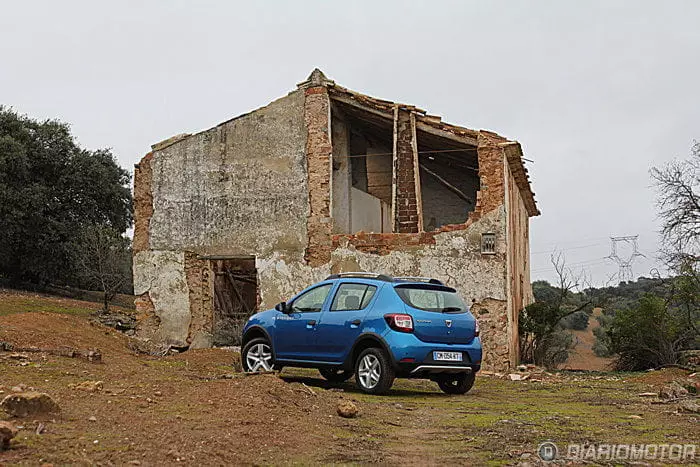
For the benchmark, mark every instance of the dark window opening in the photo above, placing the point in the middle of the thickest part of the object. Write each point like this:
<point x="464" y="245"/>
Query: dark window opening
<point x="449" y="174"/>
<point x="235" y="298"/>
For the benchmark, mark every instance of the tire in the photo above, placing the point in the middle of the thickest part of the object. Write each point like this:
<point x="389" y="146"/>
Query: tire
<point x="374" y="372"/>
<point x="456" y="384"/>
<point x="335" y="375"/>
<point x="257" y="356"/>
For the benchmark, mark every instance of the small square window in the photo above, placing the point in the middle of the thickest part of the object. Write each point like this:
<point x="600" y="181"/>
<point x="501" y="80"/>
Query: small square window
<point x="488" y="243"/>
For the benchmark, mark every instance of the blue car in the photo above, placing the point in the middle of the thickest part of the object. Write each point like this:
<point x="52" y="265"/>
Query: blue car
<point x="374" y="326"/>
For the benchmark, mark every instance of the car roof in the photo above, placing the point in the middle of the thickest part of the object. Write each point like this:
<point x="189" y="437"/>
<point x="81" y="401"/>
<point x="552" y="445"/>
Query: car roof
<point x="371" y="276"/>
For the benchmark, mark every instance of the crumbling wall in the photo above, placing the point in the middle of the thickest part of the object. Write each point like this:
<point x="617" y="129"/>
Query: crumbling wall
<point x="452" y="255"/>
<point x="262" y="185"/>
<point x="237" y="189"/>
<point x="200" y="286"/>
<point x="143" y="202"/>
<point x="161" y="276"/>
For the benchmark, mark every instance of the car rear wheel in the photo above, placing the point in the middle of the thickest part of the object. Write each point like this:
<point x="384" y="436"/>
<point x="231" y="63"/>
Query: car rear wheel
<point x="460" y="383"/>
<point x="373" y="371"/>
<point x="257" y="357"/>
<point x="335" y="375"/>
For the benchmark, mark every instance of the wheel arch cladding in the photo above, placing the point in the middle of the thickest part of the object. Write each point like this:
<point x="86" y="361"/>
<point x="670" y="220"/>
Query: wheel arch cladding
<point x="366" y="341"/>
<point x="253" y="333"/>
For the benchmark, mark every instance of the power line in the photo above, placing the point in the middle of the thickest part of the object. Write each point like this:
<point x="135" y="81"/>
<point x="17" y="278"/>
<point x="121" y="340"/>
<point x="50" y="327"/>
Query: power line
<point x="590" y="262"/>
<point x="565" y="249"/>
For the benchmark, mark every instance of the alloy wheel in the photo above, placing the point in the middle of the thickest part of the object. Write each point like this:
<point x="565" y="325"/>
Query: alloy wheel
<point x="369" y="371"/>
<point x="259" y="358"/>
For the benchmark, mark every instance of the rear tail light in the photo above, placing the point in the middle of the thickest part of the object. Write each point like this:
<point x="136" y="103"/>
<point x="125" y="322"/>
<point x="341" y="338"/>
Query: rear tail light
<point x="476" y="328"/>
<point x="399" y="322"/>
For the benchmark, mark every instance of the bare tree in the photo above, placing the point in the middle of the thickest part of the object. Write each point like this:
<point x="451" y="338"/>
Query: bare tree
<point x="678" y="186"/>
<point x="543" y="340"/>
<point x="104" y="258"/>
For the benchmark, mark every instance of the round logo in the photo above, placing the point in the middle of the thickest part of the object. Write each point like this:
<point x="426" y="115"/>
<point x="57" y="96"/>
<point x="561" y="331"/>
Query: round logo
<point x="547" y="451"/>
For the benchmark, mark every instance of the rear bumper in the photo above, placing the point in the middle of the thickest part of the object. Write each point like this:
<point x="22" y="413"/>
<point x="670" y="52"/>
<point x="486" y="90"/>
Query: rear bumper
<point x="413" y="358"/>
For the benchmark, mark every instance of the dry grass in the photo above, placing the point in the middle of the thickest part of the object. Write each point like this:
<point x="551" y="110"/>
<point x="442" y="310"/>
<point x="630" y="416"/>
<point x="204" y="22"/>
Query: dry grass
<point x="195" y="408"/>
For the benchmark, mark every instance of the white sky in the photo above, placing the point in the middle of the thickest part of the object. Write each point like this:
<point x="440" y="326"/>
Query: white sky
<point x="596" y="92"/>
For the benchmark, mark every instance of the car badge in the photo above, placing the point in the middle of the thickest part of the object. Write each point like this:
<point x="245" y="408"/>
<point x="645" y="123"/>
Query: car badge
<point x="448" y="322"/>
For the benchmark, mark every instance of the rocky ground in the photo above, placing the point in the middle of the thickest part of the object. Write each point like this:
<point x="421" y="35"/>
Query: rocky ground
<point x="196" y="408"/>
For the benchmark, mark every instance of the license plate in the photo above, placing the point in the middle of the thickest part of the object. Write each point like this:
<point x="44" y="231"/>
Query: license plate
<point x="448" y="356"/>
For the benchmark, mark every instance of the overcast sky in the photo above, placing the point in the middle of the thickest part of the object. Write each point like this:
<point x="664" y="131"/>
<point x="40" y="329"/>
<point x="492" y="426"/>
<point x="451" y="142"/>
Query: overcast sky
<point x="596" y="92"/>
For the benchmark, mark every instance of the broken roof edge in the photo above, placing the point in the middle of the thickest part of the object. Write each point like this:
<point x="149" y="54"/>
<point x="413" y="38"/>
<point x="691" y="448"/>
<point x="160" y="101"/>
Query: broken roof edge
<point x="514" y="156"/>
<point x="183" y="136"/>
<point x="385" y="107"/>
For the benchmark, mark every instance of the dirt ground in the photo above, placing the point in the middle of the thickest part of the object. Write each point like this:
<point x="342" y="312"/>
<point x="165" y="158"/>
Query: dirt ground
<point x="195" y="408"/>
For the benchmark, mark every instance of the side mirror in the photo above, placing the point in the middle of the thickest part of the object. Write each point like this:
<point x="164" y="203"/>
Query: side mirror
<point x="281" y="307"/>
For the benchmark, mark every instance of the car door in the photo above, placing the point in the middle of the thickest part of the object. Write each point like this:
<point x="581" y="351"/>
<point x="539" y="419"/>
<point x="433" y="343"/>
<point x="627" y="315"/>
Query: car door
<point x="341" y="322"/>
<point x="295" y="332"/>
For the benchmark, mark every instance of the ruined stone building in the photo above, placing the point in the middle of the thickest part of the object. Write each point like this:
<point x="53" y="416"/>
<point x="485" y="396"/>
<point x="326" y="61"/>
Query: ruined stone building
<point x="241" y="216"/>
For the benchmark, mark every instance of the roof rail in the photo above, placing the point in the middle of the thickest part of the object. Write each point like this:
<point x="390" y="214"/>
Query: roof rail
<point x="419" y="279"/>
<point x="363" y="275"/>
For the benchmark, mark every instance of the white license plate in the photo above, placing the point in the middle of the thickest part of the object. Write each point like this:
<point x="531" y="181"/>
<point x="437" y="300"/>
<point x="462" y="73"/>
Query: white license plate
<point x="448" y="356"/>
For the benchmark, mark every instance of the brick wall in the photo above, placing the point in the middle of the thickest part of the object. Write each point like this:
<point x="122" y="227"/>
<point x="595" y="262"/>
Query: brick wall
<point x="318" y="157"/>
<point x="407" y="199"/>
<point x="143" y="202"/>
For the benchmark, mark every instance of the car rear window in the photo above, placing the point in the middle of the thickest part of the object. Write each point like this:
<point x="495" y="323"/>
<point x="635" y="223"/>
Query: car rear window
<point x="430" y="297"/>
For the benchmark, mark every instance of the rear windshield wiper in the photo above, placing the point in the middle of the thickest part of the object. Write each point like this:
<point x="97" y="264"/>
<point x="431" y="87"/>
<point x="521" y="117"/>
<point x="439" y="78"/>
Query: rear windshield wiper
<point x="451" y="309"/>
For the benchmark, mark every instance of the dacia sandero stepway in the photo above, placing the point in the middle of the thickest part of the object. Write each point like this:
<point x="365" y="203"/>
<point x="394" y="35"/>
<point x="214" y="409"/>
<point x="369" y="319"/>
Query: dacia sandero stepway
<point x="371" y="325"/>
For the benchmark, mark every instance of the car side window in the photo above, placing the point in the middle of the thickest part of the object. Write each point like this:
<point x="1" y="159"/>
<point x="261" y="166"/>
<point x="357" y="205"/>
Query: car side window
<point x="353" y="297"/>
<point x="312" y="300"/>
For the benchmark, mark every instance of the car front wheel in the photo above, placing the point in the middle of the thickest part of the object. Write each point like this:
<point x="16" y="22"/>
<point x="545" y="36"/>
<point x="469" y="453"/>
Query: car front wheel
<point x="256" y="356"/>
<point x="373" y="371"/>
<point x="456" y="384"/>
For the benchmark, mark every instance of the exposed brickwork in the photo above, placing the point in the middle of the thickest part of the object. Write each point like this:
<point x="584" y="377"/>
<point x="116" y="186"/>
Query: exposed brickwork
<point x="318" y="157"/>
<point x="492" y="193"/>
<point x="492" y="316"/>
<point x="198" y="276"/>
<point x="148" y="321"/>
<point x="143" y="203"/>
<point x="385" y="243"/>
<point x="407" y="198"/>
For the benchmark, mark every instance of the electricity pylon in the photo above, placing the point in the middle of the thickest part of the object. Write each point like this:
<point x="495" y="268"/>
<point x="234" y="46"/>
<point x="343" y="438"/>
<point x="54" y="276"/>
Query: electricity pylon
<point x="625" y="273"/>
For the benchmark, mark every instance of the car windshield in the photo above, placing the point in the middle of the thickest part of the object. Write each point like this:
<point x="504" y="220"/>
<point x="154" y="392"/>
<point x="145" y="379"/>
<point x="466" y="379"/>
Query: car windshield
<point x="431" y="298"/>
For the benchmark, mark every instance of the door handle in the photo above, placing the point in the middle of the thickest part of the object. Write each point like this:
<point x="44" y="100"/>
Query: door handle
<point x="311" y="322"/>
<point x="355" y="322"/>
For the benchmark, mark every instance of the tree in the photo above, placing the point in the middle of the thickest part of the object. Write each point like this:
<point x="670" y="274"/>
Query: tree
<point x="543" y="339"/>
<point x="103" y="257"/>
<point x="678" y="186"/>
<point x="649" y="335"/>
<point x="50" y="191"/>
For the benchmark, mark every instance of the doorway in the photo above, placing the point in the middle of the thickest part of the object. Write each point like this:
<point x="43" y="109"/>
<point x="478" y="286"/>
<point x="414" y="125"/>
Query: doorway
<point x="235" y="298"/>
